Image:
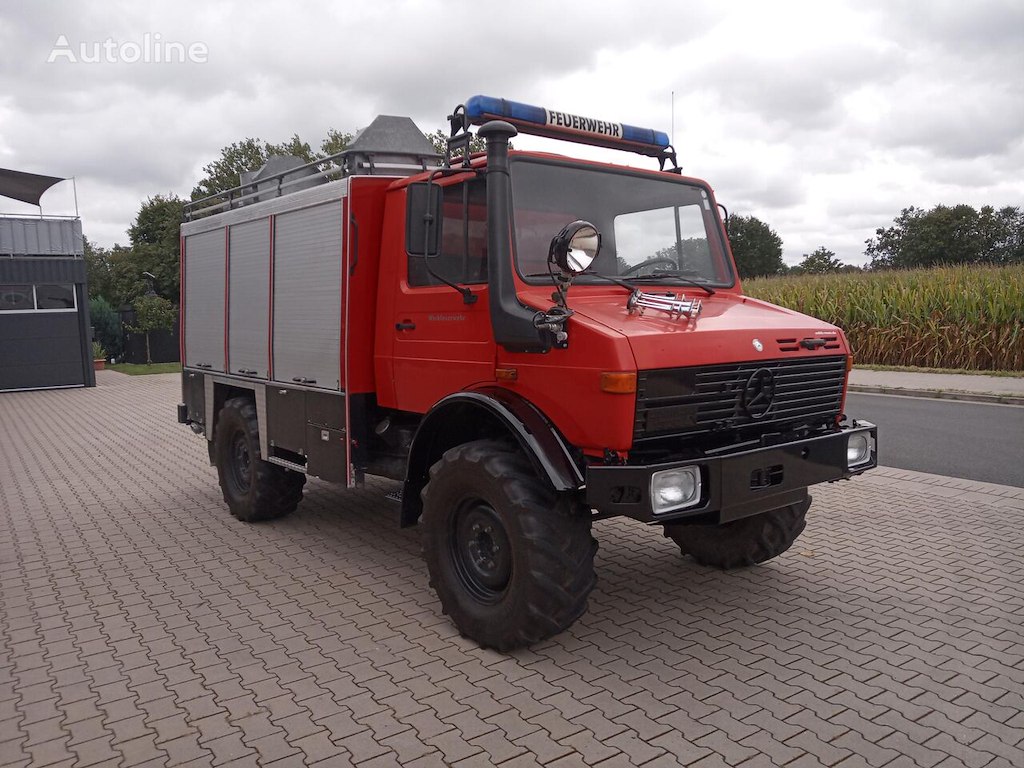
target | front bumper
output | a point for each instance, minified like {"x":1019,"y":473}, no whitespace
{"x":733,"y":485}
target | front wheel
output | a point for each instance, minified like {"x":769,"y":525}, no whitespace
{"x":511,"y":561}
{"x":748,"y":541}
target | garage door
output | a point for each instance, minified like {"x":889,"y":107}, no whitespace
{"x":40,"y":337}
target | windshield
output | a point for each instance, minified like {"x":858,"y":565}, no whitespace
{"x":653,"y":228}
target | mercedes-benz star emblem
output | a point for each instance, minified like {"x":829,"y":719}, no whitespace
{"x":759,"y":393}
{"x":758,"y":345}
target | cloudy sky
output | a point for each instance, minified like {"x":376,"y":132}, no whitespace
{"x":824,"y":119}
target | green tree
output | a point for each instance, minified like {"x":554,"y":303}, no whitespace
{"x":126,"y":280}
{"x":822,"y":261}
{"x":157,"y":222}
{"x":956,"y":234}
{"x":249,"y":154}
{"x":156,"y":245}
{"x":1003,"y":234}
{"x":97,"y":269}
{"x":756,"y":247}
{"x":223,"y":173}
{"x":335,"y":142}
{"x":116,"y":274}
{"x":152,"y":313}
{"x":107,"y":324}
{"x":295,"y":147}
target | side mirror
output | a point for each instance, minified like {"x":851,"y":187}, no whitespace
{"x":574,"y":249}
{"x":423,"y":218}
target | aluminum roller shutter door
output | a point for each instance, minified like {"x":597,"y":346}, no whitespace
{"x":249,"y":297}
{"x":307,"y":295}
{"x":204,"y":300}
{"x":40,"y":349}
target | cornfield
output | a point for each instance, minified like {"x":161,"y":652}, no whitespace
{"x":964,"y":317}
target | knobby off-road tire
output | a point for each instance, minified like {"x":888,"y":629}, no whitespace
{"x":254,"y":490}
{"x":511,"y":561}
{"x":744,"y":542}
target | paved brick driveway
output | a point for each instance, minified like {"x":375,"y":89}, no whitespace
{"x":141,"y":625}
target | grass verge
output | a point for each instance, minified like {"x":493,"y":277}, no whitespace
{"x":141,"y":370}
{"x":911,"y":369}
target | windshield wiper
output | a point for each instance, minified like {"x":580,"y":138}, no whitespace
{"x":630,"y":284}
{"x":675,"y":275}
{"x":617,"y":280}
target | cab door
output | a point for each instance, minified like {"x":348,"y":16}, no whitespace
{"x":441,"y":343}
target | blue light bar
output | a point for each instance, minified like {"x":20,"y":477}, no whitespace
{"x":563,"y":125}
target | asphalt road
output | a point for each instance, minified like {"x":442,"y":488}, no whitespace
{"x":977,"y":441}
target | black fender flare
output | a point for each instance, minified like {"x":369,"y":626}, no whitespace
{"x":486,"y":411}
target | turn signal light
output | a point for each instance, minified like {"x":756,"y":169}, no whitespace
{"x":849,"y":362}
{"x":618,"y":382}
{"x":506,"y":374}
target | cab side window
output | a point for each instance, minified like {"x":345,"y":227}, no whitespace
{"x":463,"y":243}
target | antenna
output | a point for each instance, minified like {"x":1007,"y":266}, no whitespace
{"x":673,"y":118}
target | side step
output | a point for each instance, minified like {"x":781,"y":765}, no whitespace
{"x":286,"y":464}
{"x":395,"y":495}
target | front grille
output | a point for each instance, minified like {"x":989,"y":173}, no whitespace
{"x":793,"y":345}
{"x":713,"y":398}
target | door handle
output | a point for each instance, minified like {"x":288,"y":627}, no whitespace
{"x":405,"y":325}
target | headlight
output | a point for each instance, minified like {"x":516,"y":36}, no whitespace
{"x":858,"y":449}
{"x":674,"y":489}
{"x":574,"y":249}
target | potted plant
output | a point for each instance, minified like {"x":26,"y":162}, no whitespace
{"x":99,"y":356}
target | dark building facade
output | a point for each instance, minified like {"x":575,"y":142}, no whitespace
{"x":45,"y":334}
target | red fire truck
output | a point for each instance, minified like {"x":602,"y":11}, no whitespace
{"x":527,"y":342}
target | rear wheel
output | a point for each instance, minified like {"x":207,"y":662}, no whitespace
{"x":511,"y":561}
{"x":253,"y":489}
{"x":743,"y":542}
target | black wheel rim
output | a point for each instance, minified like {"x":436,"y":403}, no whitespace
{"x":240,"y":465}
{"x":481,"y":551}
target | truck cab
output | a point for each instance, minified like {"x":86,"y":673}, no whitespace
{"x":530,"y":342}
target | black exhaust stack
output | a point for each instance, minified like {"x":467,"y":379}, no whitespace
{"x":513,"y":323}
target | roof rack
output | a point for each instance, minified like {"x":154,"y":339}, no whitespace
{"x":389,"y":146}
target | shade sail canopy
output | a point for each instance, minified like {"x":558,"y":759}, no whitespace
{"x":27,"y":187}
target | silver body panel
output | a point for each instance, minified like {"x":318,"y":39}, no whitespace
{"x":306,"y":261}
{"x":204,"y":300}
{"x":249,"y":304}
{"x":285,"y":301}
{"x":261,"y":419}
{"x":307,"y":296}
{"x":208,"y":400}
